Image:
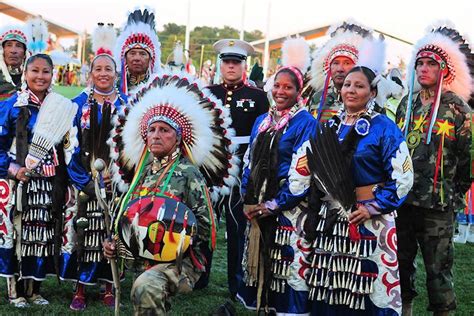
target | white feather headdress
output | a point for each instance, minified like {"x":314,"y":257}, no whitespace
{"x":37,"y":34}
{"x":456,"y":53}
{"x":103,"y":39}
{"x":295,"y":52}
{"x":139,"y":32}
{"x":202,"y":119}
{"x":345,"y":40}
{"x":7,"y":33}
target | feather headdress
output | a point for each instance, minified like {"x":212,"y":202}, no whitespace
{"x":139,"y":32}
{"x":103,"y":39}
{"x":204,"y":125}
{"x":37,"y":34}
{"x":345,"y":40}
{"x":372,"y":56}
{"x":10,"y":33}
{"x":452,"y":51}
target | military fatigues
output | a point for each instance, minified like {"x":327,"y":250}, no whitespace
{"x":7,"y":89}
{"x":428,"y":213}
{"x":156,"y":282}
{"x":331,"y":105}
{"x":245,"y":104}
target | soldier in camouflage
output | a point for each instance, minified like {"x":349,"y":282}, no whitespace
{"x":173,"y":132}
{"x":12,"y":58}
{"x":156,"y":282}
{"x":441,"y":161}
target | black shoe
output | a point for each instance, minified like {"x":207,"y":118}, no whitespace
{"x":226,"y":309}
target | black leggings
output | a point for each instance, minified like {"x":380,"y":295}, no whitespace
{"x":22,"y":288}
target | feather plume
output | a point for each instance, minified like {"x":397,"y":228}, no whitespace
{"x":295,"y":52}
{"x":372,"y":54}
{"x":37,"y":33}
{"x":54,"y":120}
{"x":178,"y":55}
{"x":329,"y":168}
{"x":135,"y":236}
{"x":103,"y":39}
{"x":349,"y":33}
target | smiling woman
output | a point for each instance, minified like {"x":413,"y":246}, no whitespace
{"x":35,"y":120}
{"x":38,"y":74}
{"x":82,"y":259}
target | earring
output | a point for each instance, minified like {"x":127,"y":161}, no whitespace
{"x":370,"y":106}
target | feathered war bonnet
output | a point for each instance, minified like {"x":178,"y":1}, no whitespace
{"x":104,"y":38}
{"x":199,"y":118}
{"x":138,"y":32}
{"x":444,"y":44}
{"x":345,"y":40}
{"x":11,"y":33}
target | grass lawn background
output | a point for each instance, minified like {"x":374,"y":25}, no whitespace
{"x":205,"y":301}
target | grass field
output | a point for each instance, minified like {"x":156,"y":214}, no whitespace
{"x":205,"y":301}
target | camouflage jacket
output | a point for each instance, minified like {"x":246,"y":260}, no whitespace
{"x":331,"y":106}
{"x":7,"y":89}
{"x":189,"y":187}
{"x":453,"y":128}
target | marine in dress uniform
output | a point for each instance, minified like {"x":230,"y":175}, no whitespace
{"x":246,"y":104}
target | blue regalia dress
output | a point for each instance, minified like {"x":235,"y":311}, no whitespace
{"x":287,"y":289}
{"x":361,"y":277}
{"x":27,"y":233}
{"x":91,"y":267}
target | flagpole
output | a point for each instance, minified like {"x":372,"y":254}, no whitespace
{"x":188,"y":28}
{"x":266,"y":53}
{"x":242,"y":26}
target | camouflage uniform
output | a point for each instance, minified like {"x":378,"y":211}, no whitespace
{"x":7,"y":89}
{"x":156,"y":282}
{"x":331,"y":106}
{"x":428,"y":215}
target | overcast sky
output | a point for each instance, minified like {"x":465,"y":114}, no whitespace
{"x":404,"y":18}
{"x":407,"y":19}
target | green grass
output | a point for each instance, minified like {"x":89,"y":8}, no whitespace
{"x":204,"y":301}
{"x":68,"y":92}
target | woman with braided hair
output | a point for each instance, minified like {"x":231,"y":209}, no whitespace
{"x":275,"y":183}
{"x":84,"y":228}
{"x":33,"y":123}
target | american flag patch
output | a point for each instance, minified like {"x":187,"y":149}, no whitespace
{"x":49,"y":170}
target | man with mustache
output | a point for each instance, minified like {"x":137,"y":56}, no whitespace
{"x":12,"y":58}
{"x":246,"y":104}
